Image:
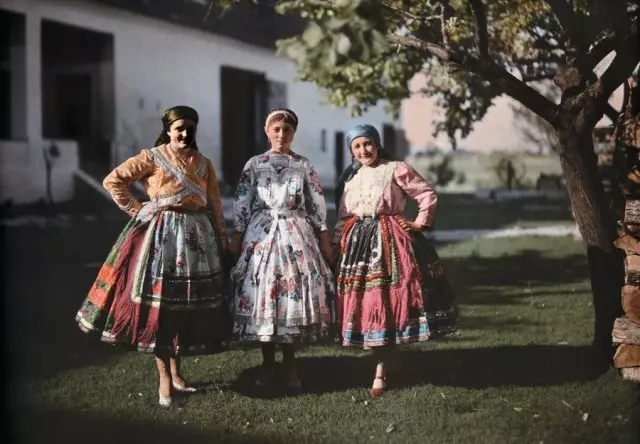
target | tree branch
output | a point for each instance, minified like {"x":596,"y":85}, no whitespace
{"x":600,"y":51}
{"x":611,"y":113}
{"x":538,"y":77}
{"x":563,"y":10}
{"x":482,"y":31}
{"x":625,"y":96}
{"x":444,"y":16}
{"x":408,"y":15}
{"x":597,"y":95}
{"x":502,"y":80}
{"x":619,"y":70}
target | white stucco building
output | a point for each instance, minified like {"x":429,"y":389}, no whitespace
{"x":94,"y":76}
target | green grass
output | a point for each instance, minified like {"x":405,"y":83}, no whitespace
{"x":462,"y":211}
{"x":479,"y":168}
{"x":457,"y":211}
{"x":518,"y":371}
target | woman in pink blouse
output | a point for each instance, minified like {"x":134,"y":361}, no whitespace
{"x":390,"y":285}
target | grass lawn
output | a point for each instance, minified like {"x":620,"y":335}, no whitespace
{"x":479,"y":168}
{"x":518,"y":371}
{"x":462,"y":211}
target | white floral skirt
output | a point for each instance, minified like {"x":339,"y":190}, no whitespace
{"x":283,"y":288}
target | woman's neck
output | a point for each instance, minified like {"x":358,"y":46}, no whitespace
{"x":281,"y":150}
{"x":180,"y":151}
{"x":374,"y":164}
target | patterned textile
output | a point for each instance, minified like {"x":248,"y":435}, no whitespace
{"x":283,"y":288}
{"x":391,"y":287}
{"x":172,"y":179}
{"x":162,"y":287}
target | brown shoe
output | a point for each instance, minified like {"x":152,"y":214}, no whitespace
{"x":292,"y":380}
{"x":265,"y":376}
{"x":378,"y":391}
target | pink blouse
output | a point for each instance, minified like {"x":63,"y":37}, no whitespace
{"x":383,"y":189}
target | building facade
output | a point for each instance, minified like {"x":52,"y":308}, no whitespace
{"x":93,"y":78}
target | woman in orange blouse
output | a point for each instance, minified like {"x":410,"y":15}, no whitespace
{"x":162,"y":287}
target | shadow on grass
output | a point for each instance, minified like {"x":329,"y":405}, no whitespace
{"x":47,"y":274}
{"x":506,"y":279}
{"x":83,"y":427}
{"x":463,"y":211}
{"x":478,"y":368}
{"x":51,"y":270}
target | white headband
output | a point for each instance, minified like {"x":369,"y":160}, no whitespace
{"x":272,"y":114}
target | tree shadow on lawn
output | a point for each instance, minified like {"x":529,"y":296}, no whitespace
{"x":492,"y":280}
{"x":463,"y":211}
{"x":477,"y":281}
{"x":83,"y":427}
{"x":49,"y":274}
{"x":474,"y":368}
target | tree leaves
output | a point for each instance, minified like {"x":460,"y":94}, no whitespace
{"x":345,"y":50}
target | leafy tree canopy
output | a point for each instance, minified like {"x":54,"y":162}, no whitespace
{"x":364,"y":51}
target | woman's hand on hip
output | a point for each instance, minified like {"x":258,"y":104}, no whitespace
{"x":409,"y":226}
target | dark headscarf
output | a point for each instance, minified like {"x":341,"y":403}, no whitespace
{"x":369,"y":132}
{"x":171,"y":115}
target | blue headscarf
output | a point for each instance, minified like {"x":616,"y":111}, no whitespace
{"x":364,"y":130}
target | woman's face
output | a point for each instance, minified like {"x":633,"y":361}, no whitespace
{"x":280,"y":134}
{"x":182,"y":133}
{"x":364,"y":150}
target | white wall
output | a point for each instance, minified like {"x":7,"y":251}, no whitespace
{"x":158,"y":64}
{"x":23,"y":171}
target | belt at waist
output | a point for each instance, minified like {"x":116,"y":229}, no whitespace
{"x":283,"y":213}
{"x":200,"y":210}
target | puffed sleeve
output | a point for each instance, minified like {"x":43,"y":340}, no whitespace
{"x":244,"y":198}
{"x":117,"y":183}
{"x":314,"y":199}
{"x":213,"y":193}
{"x":417,"y":187}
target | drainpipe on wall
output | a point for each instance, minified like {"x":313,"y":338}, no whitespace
{"x":50,"y":155}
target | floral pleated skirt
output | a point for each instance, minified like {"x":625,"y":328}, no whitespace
{"x":283,"y":288}
{"x":162,"y":288}
{"x":391,"y":288}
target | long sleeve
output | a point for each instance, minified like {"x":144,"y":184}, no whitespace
{"x":416,"y":187}
{"x":343,"y":215}
{"x":314,"y":199}
{"x":243,"y":198}
{"x":117,"y":183}
{"x":213,"y":193}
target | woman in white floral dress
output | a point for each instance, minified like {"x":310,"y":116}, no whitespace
{"x":283,"y":286}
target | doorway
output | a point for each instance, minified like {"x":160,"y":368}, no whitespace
{"x":78,"y":92}
{"x":243,"y":108}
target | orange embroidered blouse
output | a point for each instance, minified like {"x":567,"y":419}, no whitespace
{"x":157,"y":169}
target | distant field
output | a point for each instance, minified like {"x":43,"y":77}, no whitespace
{"x":479,"y":169}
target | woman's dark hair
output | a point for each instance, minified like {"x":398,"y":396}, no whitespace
{"x":171,"y":115}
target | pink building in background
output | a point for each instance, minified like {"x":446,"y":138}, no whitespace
{"x":499,"y":129}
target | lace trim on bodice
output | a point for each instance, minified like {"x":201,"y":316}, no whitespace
{"x":364,"y":192}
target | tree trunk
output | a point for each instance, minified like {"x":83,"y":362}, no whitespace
{"x":597,"y":226}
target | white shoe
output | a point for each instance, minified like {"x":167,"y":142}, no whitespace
{"x":182,"y":388}
{"x":164,"y":401}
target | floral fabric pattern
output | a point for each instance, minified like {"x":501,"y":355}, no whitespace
{"x":283,"y":288}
